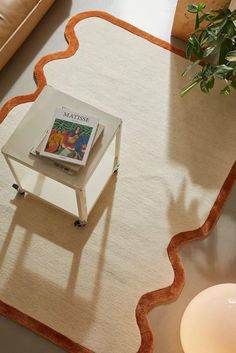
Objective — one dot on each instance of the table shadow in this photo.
(206, 262)
(200, 138)
(36, 219)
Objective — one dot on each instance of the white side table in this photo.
(77, 193)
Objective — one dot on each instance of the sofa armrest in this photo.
(23, 30)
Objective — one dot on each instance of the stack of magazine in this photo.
(69, 139)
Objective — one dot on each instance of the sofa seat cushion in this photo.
(12, 14)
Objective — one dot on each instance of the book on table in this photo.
(69, 139)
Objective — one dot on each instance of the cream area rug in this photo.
(84, 284)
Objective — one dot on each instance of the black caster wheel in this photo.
(79, 224)
(19, 190)
(116, 169)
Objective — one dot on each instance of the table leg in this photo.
(18, 185)
(117, 148)
(82, 208)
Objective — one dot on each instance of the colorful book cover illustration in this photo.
(70, 136)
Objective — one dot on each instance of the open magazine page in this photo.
(70, 137)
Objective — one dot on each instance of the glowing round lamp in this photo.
(208, 324)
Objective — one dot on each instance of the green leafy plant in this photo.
(213, 45)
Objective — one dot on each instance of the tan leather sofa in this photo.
(17, 20)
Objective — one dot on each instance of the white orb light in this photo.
(208, 324)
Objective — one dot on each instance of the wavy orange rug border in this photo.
(73, 45)
(148, 300)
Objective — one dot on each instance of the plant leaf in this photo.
(189, 67)
(217, 26)
(192, 8)
(204, 87)
(211, 82)
(231, 56)
(233, 15)
(211, 34)
(201, 6)
(189, 86)
(226, 46)
(233, 65)
(189, 51)
(221, 71)
(203, 36)
(196, 47)
(208, 51)
(207, 85)
(206, 71)
(197, 21)
(233, 84)
(212, 15)
(225, 91)
(230, 29)
(203, 17)
(196, 76)
(218, 38)
(224, 11)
